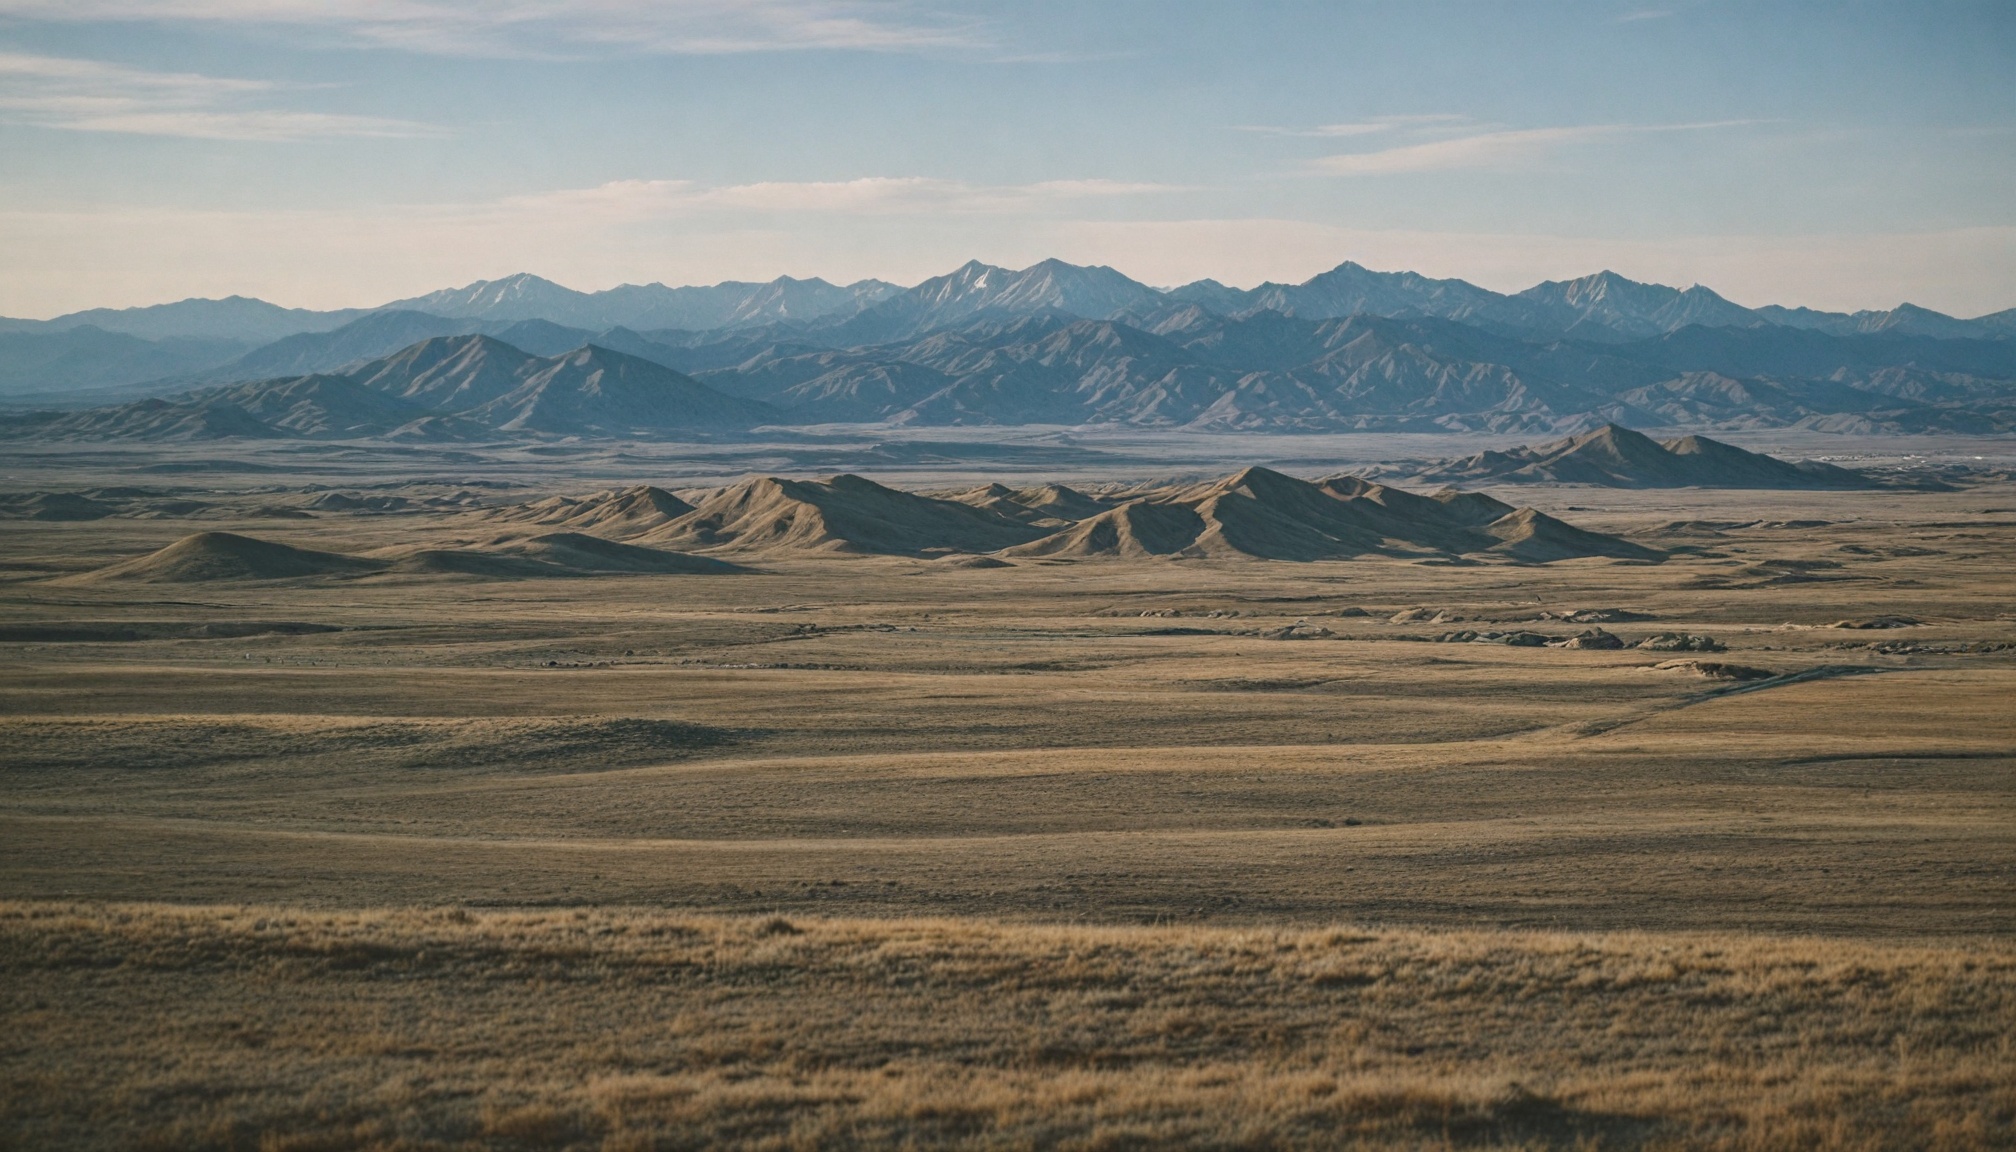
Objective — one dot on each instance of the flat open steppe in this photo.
(1101, 853)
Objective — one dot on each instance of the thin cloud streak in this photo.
(258, 127)
(548, 28)
(1489, 150)
(93, 96)
(1361, 128)
(1497, 150)
(868, 196)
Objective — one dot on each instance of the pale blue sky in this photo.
(344, 152)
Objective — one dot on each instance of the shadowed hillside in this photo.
(618, 512)
(208, 556)
(1617, 457)
(1261, 513)
(443, 388)
(844, 514)
(1256, 513)
(552, 554)
(226, 556)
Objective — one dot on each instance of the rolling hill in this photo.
(1260, 513)
(1256, 513)
(618, 512)
(209, 557)
(213, 556)
(846, 514)
(549, 555)
(1616, 457)
(1253, 514)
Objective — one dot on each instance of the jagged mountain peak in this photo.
(1605, 287)
(1351, 288)
(1620, 305)
(1909, 309)
(519, 286)
(976, 288)
(976, 273)
(519, 296)
(443, 349)
(731, 304)
(1351, 270)
(1047, 283)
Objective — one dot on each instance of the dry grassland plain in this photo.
(877, 851)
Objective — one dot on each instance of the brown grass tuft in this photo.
(283, 1029)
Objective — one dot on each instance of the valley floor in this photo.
(1098, 854)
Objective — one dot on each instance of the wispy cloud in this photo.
(868, 196)
(1370, 127)
(551, 27)
(1065, 57)
(1485, 150)
(1643, 14)
(1501, 149)
(93, 96)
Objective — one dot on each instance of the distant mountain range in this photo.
(107, 348)
(1604, 306)
(727, 305)
(1055, 343)
(237, 318)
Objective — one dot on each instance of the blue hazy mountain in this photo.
(465, 387)
(637, 306)
(1057, 343)
(237, 318)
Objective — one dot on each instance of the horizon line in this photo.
(1164, 290)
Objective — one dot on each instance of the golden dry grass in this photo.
(267, 1028)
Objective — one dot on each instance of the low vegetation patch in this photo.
(274, 1028)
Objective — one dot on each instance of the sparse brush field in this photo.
(1100, 853)
(263, 1028)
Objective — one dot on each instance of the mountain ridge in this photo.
(1351, 349)
(445, 387)
(1269, 373)
(732, 303)
(1102, 292)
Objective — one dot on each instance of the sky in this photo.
(333, 153)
